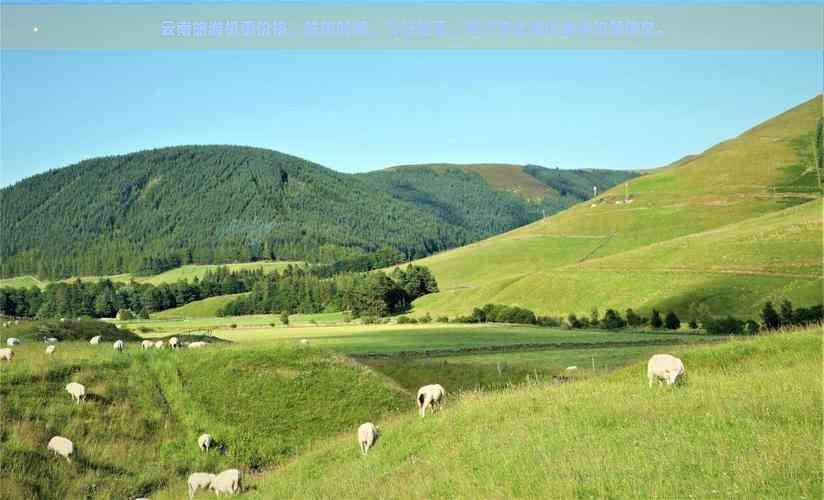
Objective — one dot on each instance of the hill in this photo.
(747, 423)
(732, 227)
(150, 211)
(138, 429)
(547, 190)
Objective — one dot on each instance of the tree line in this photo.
(299, 290)
(700, 318)
(104, 298)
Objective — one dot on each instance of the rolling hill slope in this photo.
(151, 211)
(722, 228)
(745, 424)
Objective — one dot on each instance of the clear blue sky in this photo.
(358, 111)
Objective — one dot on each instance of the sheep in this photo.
(78, 391)
(50, 349)
(666, 367)
(197, 345)
(199, 480)
(118, 345)
(158, 344)
(204, 442)
(95, 340)
(146, 344)
(430, 396)
(227, 481)
(6, 354)
(304, 341)
(174, 342)
(61, 446)
(571, 368)
(12, 341)
(367, 435)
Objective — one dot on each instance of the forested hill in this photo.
(216, 204)
(545, 190)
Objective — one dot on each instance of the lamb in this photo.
(367, 435)
(118, 345)
(227, 481)
(95, 340)
(12, 341)
(204, 442)
(50, 349)
(78, 391)
(197, 345)
(146, 344)
(666, 367)
(174, 342)
(61, 446)
(158, 344)
(430, 396)
(6, 354)
(199, 480)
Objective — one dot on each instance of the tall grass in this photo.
(746, 424)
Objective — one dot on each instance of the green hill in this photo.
(150, 211)
(746, 424)
(724, 228)
(138, 429)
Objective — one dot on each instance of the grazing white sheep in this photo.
(198, 345)
(304, 341)
(664, 367)
(204, 442)
(146, 344)
(61, 446)
(50, 349)
(174, 342)
(118, 345)
(571, 368)
(12, 341)
(78, 391)
(199, 480)
(6, 354)
(227, 481)
(430, 396)
(158, 344)
(95, 340)
(367, 435)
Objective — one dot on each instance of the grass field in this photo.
(206, 308)
(746, 424)
(188, 272)
(714, 229)
(138, 429)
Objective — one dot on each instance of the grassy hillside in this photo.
(137, 431)
(722, 228)
(747, 424)
(206, 308)
(187, 272)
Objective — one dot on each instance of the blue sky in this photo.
(363, 110)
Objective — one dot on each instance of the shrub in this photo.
(426, 318)
(671, 321)
(633, 319)
(751, 327)
(443, 319)
(655, 321)
(233, 325)
(284, 318)
(548, 321)
(693, 324)
(403, 320)
(770, 317)
(612, 320)
(125, 315)
(728, 325)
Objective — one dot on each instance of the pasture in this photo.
(745, 424)
(187, 272)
